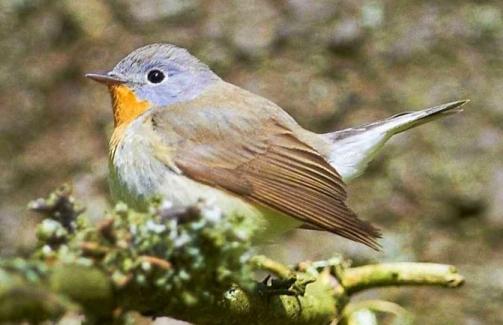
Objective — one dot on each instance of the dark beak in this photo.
(106, 78)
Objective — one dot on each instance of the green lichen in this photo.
(187, 257)
(189, 263)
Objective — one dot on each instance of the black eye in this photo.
(155, 76)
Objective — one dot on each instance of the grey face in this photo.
(163, 74)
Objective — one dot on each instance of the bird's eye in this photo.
(155, 76)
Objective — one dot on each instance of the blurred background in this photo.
(436, 191)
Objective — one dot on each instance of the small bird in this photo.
(183, 133)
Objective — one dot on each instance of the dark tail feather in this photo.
(408, 120)
(353, 148)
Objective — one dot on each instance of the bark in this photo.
(182, 264)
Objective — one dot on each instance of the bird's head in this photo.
(152, 76)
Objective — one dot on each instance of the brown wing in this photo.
(274, 168)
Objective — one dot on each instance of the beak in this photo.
(106, 78)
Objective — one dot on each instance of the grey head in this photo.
(161, 74)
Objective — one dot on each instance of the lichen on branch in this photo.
(193, 264)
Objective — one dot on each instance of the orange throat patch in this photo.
(126, 107)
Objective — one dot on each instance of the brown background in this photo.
(437, 191)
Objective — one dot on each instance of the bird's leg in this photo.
(292, 286)
(288, 282)
(277, 287)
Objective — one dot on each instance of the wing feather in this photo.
(244, 144)
(279, 171)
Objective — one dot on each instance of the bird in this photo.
(183, 133)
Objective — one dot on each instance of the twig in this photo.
(266, 264)
(93, 249)
(391, 274)
(159, 262)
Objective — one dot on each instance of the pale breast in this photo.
(137, 175)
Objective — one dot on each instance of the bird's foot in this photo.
(292, 286)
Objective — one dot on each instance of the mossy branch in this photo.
(192, 264)
(399, 274)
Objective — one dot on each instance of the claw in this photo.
(278, 287)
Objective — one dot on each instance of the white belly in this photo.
(136, 176)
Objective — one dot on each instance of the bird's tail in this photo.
(354, 148)
(407, 120)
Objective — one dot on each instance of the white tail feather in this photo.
(354, 148)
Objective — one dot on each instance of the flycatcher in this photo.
(183, 133)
